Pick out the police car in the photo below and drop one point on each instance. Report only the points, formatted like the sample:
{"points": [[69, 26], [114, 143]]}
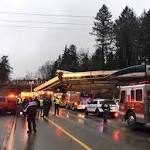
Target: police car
{"points": [[95, 106]]}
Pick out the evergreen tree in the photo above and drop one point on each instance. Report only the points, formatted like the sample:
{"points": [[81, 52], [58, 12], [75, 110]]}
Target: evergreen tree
{"points": [[145, 36], [5, 69], [103, 30], [84, 62], [54, 69], [70, 59], [73, 58], [96, 61], [111, 61], [126, 30], [65, 61], [59, 60]]}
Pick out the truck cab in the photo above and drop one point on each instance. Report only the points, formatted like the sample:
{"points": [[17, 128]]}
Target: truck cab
{"points": [[135, 104]]}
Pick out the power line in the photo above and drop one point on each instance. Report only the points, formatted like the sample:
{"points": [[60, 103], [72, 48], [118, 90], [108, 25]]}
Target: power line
{"points": [[38, 14], [45, 22], [36, 27]]}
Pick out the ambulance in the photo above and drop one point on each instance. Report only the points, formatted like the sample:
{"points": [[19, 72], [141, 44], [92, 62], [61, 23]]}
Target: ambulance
{"points": [[135, 104]]}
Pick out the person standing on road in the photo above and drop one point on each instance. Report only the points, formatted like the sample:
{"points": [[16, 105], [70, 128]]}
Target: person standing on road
{"points": [[38, 106], [41, 106], [24, 105], [57, 105], [19, 106], [106, 110], [31, 110], [46, 106]]}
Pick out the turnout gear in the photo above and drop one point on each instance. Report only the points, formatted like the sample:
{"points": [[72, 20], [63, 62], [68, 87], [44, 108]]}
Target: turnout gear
{"points": [[57, 105], [57, 100]]}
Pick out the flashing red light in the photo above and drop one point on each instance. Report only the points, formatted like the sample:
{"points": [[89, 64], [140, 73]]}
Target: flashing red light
{"points": [[11, 96], [116, 115]]}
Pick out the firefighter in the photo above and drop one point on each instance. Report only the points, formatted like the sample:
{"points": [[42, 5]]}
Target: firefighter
{"points": [[57, 105], [30, 111]]}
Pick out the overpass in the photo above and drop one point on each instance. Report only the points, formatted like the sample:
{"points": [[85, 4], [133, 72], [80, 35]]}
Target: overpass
{"points": [[96, 80], [79, 81], [16, 86]]}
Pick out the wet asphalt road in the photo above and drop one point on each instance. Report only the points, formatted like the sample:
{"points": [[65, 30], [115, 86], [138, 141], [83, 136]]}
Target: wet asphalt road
{"points": [[6, 122], [72, 131]]}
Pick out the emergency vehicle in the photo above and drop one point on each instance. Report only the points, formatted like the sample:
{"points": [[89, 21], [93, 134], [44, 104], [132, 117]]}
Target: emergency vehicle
{"points": [[77, 100], [8, 104], [135, 104]]}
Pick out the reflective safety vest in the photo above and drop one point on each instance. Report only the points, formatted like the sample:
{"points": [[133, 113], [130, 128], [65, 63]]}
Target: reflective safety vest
{"points": [[57, 101], [41, 102], [19, 100]]}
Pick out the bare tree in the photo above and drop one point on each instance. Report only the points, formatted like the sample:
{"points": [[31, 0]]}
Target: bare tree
{"points": [[44, 72]]}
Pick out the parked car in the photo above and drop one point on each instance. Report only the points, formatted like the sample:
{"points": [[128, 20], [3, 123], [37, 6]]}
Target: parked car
{"points": [[95, 107]]}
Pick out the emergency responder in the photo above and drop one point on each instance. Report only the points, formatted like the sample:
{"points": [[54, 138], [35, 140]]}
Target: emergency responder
{"points": [[46, 106], [41, 106], [57, 104], [106, 111], [31, 110], [38, 106], [19, 105], [24, 105]]}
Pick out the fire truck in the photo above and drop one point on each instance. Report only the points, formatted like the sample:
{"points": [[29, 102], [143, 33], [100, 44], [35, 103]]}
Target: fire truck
{"points": [[77, 100], [135, 104], [8, 104]]}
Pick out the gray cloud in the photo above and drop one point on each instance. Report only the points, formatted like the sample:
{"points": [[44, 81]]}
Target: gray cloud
{"points": [[29, 48]]}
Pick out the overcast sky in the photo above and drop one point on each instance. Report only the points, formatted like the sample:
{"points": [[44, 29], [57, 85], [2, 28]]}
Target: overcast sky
{"points": [[28, 48]]}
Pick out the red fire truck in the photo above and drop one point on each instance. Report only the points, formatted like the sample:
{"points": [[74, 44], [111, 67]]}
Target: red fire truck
{"points": [[77, 100], [8, 104], [135, 104]]}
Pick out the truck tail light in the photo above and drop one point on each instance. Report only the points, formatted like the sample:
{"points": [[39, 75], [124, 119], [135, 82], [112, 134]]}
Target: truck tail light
{"points": [[11, 96]]}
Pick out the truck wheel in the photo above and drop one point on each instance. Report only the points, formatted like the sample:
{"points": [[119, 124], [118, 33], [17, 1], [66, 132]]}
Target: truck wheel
{"points": [[131, 121], [13, 112], [97, 113], [3, 112], [86, 112]]}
